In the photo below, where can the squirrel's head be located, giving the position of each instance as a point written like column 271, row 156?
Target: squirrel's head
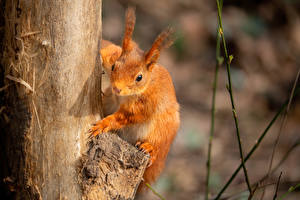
column 131, row 73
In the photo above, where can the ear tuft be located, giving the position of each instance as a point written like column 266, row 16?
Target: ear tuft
column 162, row 41
column 129, row 27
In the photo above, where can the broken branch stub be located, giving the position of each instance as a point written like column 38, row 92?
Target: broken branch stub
column 112, row 168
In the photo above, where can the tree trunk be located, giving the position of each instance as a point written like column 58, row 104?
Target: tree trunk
column 51, row 51
column 52, row 69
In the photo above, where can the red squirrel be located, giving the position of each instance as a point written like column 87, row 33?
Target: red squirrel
column 141, row 104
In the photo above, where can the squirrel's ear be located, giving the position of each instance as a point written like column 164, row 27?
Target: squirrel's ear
column 129, row 27
column 162, row 41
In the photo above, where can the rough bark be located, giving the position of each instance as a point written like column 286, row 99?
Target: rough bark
column 112, row 168
column 51, row 65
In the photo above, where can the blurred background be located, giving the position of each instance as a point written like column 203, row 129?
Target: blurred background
column 264, row 38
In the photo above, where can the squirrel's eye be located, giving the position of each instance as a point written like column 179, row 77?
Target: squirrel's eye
column 112, row 68
column 139, row 78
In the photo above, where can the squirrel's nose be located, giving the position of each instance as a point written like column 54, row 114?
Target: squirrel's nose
column 116, row 90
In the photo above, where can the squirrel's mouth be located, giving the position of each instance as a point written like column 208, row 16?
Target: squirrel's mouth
column 116, row 90
column 128, row 90
column 120, row 92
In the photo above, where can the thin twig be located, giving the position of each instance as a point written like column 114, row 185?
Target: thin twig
column 277, row 186
column 253, row 192
column 234, row 113
column 212, row 125
column 42, row 80
column 232, row 196
column 281, row 128
column 257, row 187
column 37, row 116
column 154, row 192
column 255, row 146
column 297, row 143
column 260, row 182
column 291, row 189
column 31, row 33
column 21, row 81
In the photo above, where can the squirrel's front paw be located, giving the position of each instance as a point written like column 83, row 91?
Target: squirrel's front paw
column 99, row 127
column 147, row 148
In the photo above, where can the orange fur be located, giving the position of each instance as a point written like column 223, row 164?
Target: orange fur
column 109, row 53
column 129, row 27
column 146, row 112
column 153, row 54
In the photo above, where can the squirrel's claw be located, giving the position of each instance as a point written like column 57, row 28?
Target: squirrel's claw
column 98, row 128
column 146, row 148
column 95, row 130
column 93, row 133
column 137, row 145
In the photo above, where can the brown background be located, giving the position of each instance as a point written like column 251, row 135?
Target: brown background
column 264, row 37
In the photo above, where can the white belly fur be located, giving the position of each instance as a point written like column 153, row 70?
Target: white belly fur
column 134, row 133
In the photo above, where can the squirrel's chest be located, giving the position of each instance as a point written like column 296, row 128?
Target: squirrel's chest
column 136, row 132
